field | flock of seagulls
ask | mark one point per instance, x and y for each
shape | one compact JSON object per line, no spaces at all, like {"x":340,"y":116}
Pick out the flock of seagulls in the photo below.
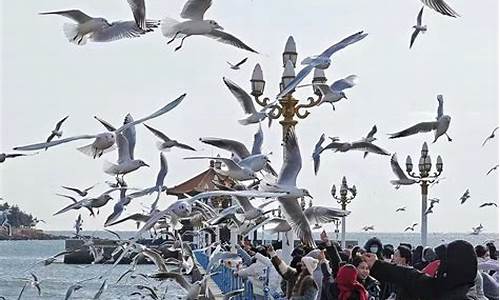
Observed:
{"x":250,"y":169}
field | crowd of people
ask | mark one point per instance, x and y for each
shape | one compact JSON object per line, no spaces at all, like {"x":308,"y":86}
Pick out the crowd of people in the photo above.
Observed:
{"x":453,"y":271}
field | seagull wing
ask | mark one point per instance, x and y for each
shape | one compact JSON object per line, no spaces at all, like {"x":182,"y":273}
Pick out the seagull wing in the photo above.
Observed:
{"x":130,"y":134}
{"x":368,"y":147}
{"x":163,"y":171}
{"x":79,"y":192}
{"x":243,"y":97}
{"x":138,"y":8}
{"x":235,"y":147}
{"x":372,"y":132}
{"x":195,"y":9}
{"x":121,"y":30}
{"x":344,"y":83}
{"x":297,"y":220}
{"x":135,"y":217}
{"x":441,"y":7}
{"x":59,"y":124}
{"x":156,"y":258}
{"x":344,"y":43}
{"x":106,"y":124}
{"x":53,"y":143}
{"x":74,"y":14}
{"x":292,"y":161}
{"x":241,"y":62}
{"x":396,"y":169}
{"x":298,"y":79}
{"x":158,"y":133}
{"x":229,"y":39}
{"x":258,"y":140}
{"x":413,"y":37}
{"x":440,"y":107}
{"x":324,"y":214}
{"x":230,"y":164}
{"x":123,"y":148}
{"x":157,"y":113}
{"x":419,"y":17}
{"x":420,"y":127}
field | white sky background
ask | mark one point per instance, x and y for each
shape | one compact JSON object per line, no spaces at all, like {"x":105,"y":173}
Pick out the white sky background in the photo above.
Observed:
{"x":44,"y":78}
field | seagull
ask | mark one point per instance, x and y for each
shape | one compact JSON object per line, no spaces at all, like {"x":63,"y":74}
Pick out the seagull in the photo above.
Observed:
{"x":491,"y":136}
{"x":194,"y":11}
{"x":440,"y":125}
{"x":237,"y":66}
{"x":78,"y":224}
{"x":322,"y":215}
{"x":370,"y":138}
{"x":321,"y":61}
{"x":402,"y":178}
{"x":429,"y":209}
{"x":492,"y":169}
{"x":4,"y":156}
{"x":433,"y":201}
{"x":57,"y":130}
{"x":125,"y":163}
{"x":101,"y":290}
{"x":245,"y":169}
{"x":82,"y":193}
{"x":129,"y":133}
{"x":246,"y":102}
{"x":74,"y":287}
{"x":412,"y":227}
{"x":166,"y":143}
{"x":75,"y":205}
{"x":32,"y":283}
{"x":335,"y":92}
{"x":120,"y":205}
{"x":488,"y":204}
{"x":317,"y":153}
{"x":465,"y":196}
{"x":402,"y":208}
{"x":477,"y":230}
{"x":104,"y":141}
{"x":441,"y":7}
{"x":368,"y":228}
{"x":89,"y":203}
{"x":418,"y":28}
{"x":287,"y":182}
{"x":100,"y":30}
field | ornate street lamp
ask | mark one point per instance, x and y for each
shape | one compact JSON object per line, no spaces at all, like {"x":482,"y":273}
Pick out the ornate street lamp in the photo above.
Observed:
{"x":343,"y":200}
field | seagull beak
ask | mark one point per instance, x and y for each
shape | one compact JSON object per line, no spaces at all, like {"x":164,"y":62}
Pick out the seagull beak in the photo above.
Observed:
{"x":220,"y":27}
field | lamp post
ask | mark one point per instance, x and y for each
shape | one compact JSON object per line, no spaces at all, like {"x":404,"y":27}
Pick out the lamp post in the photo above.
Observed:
{"x":336,"y":222}
{"x":343,"y":200}
{"x":424,"y":178}
{"x":288,"y":108}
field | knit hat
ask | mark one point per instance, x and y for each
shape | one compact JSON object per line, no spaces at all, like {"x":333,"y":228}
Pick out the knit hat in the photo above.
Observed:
{"x":310,"y":263}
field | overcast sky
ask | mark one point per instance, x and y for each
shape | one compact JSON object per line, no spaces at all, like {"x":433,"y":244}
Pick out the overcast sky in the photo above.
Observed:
{"x":44,"y":78}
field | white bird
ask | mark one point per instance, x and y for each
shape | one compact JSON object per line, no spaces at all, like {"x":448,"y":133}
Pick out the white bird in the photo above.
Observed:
{"x":287,"y":182}
{"x":323,"y":215}
{"x":103,"y":142}
{"x":166,"y":143}
{"x":73,"y":288}
{"x":491,"y":136}
{"x":101,"y":290}
{"x":477,"y":230}
{"x":440,"y":125}
{"x":418,"y":28}
{"x":335,"y":92}
{"x":412,"y":227}
{"x":465,"y":196}
{"x":34,"y":282}
{"x":100,"y":30}
{"x":441,"y":7}
{"x":120,"y":205}
{"x":159,"y":186}
{"x":194,"y":11}
{"x":317,"y":153}
{"x":368,"y":228}
{"x":237,"y":65}
{"x":57,"y":130}
{"x":246,"y":102}
{"x":321,"y":61}
{"x":125,"y":164}
{"x":129,"y":133}
{"x":370,"y":138}
{"x":402,"y":178}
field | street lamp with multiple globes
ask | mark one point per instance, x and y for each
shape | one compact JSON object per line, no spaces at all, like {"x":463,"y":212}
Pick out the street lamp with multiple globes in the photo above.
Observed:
{"x":424,"y":178}
{"x":343,"y":200}
{"x":286,"y":107}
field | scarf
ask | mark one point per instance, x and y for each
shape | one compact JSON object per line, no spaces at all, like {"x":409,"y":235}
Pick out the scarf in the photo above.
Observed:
{"x":347,"y":283}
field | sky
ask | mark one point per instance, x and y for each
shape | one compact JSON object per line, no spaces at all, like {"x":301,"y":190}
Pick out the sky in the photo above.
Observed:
{"x":44,"y":78}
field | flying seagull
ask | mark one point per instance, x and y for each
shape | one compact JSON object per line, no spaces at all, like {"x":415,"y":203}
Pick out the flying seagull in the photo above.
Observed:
{"x":441,"y":7}
{"x":57,"y":130}
{"x":125,"y":164}
{"x":440,"y":125}
{"x":370,"y":138}
{"x":402,"y":208}
{"x":194,"y":11}
{"x":465,"y":196}
{"x":335,"y":92}
{"x":492,"y":135}
{"x":81,"y":193}
{"x":402,"y":178}
{"x":418,"y":28}
{"x":4,"y":156}
{"x":477,"y":230}
{"x":492,"y":169}
{"x":100,"y":30}
{"x":412,"y":227}
{"x":488,"y":204}
{"x":104,"y":141}
{"x":368,"y":228}
{"x":321,"y":61}
{"x":238,"y":65}
{"x":166,"y":143}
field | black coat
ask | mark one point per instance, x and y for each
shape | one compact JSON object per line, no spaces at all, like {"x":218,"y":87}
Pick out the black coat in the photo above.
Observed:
{"x":373,"y":288}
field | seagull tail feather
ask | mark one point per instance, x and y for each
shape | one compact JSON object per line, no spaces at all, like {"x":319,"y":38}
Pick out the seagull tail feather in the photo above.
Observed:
{"x":169,"y":28}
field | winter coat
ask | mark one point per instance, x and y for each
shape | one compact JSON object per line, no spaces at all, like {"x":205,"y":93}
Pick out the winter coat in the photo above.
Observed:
{"x":455,"y":280}
{"x":373,"y":288}
{"x":299,"y":286}
{"x":490,"y":287}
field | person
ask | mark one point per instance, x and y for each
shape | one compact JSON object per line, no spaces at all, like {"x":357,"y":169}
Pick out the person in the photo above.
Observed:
{"x":490,"y":287}
{"x":345,"y":285}
{"x":300,"y":283}
{"x":478,"y":287}
{"x":370,"y":283}
{"x":417,"y":261}
{"x":455,"y":279}
{"x":432,"y":259}
{"x":388,"y":252}
{"x":492,"y":251}
{"x":374,"y":245}
{"x":485,"y":263}
{"x":402,"y":257}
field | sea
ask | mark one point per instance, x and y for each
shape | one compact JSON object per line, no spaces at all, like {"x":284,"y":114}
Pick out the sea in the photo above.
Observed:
{"x":19,"y":258}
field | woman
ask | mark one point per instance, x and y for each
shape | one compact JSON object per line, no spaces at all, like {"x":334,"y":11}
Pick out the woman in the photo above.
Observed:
{"x":370,"y":283}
